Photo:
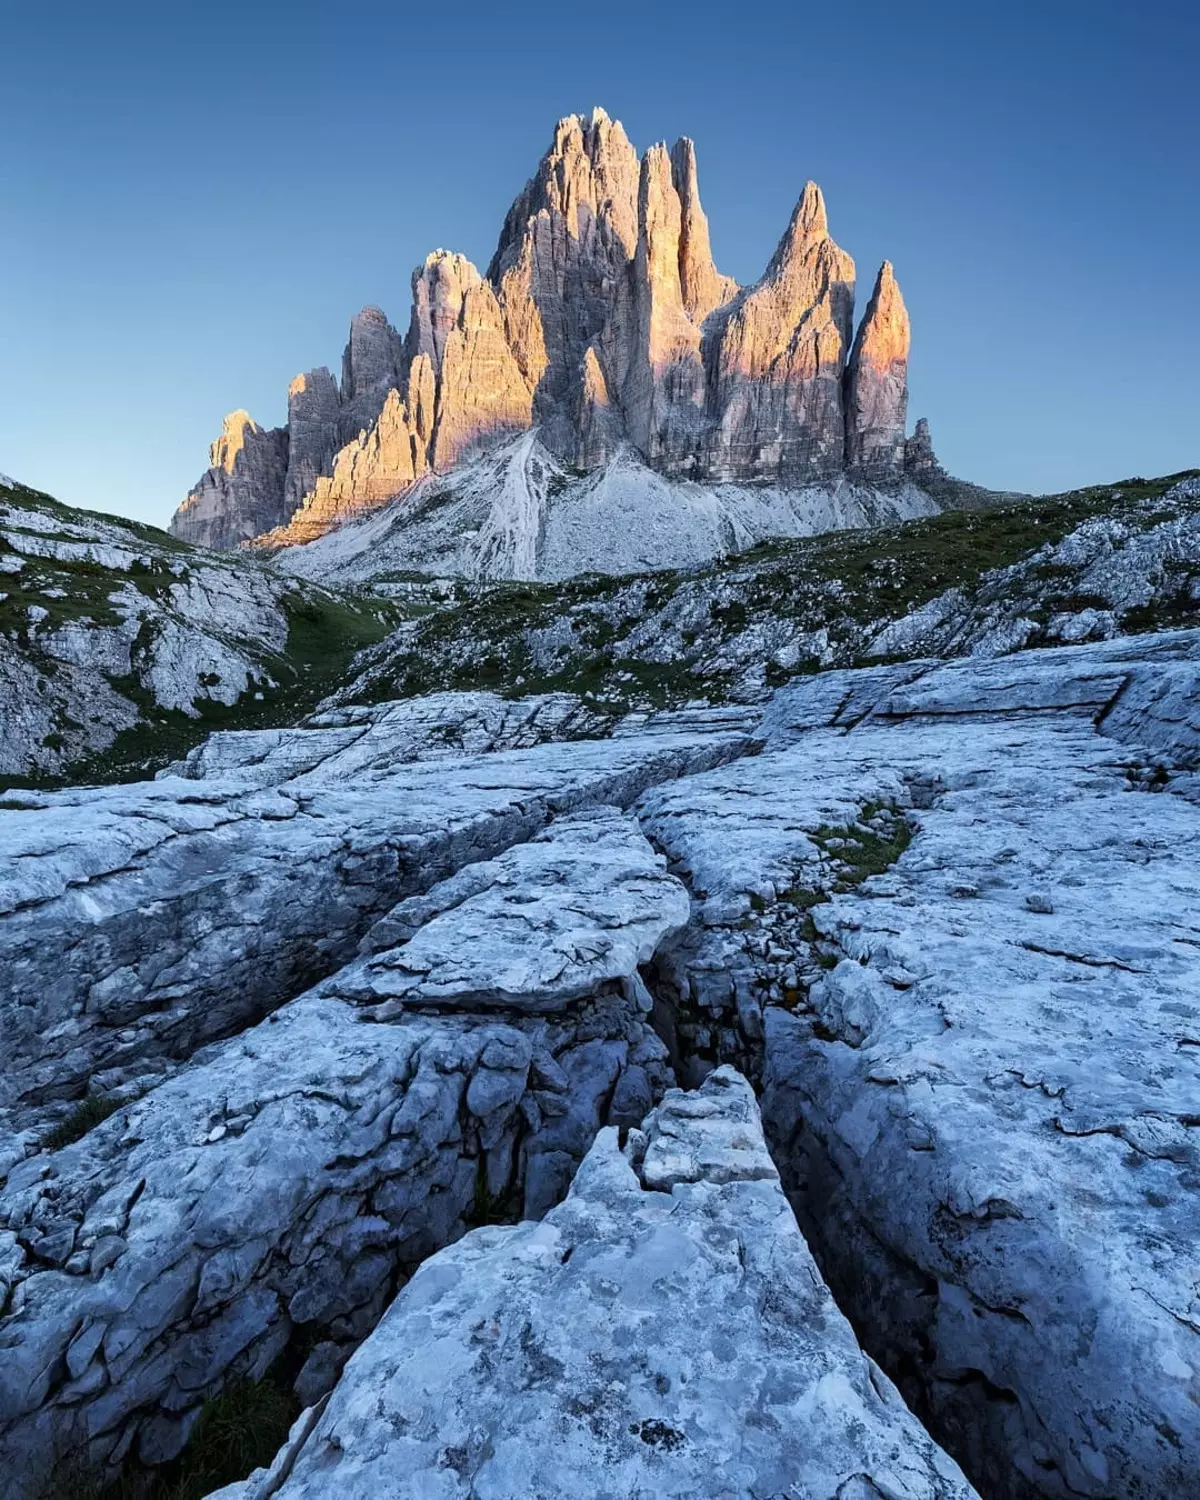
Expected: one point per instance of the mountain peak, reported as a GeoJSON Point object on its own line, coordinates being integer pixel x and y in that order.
{"type": "Point", "coordinates": [603, 320]}
{"type": "Point", "coordinates": [877, 381]}
{"type": "Point", "coordinates": [234, 430]}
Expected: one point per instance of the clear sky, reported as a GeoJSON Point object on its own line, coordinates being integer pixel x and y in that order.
{"type": "Point", "coordinates": [196, 196]}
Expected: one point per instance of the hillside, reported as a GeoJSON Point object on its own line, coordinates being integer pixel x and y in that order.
{"type": "Point", "coordinates": [1084, 565]}
{"type": "Point", "coordinates": [121, 645]}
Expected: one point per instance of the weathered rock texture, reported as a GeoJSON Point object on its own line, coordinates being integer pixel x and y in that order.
{"type": "Point", "coordinates": [602, 320]}
{"type": "Point", "coordinates": [288, 1177]}
{"type": "Point", "coordinates": [978, 1065]}
{"type": "Point", "coordinates": [139, 922]}
{"type": "Point", "coordinates": [877, 385]}
{"type": "Point", "coordinates": [363, 984]}
{"type": "Point", "coordinates": [662, 1332]}
{"type": "Point", "coordinates": [109, 626]}
{"type": "Point", "coordinates": [241, 495]}
{"type": "Point", "coordinates": [258, 477]}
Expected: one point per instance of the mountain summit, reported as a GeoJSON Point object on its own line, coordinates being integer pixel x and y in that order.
{"type": "Point", "coordinates": [603, 322]}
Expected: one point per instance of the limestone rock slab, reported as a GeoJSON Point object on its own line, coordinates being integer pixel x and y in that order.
{"type": "Point", "coordinates": [666, 1336]}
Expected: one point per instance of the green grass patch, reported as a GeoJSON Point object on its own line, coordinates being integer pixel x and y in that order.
{"type": "Point", "coordinates": [86, 1115]}
{"type": "Point", "coordinates": [325, 632]}
{"type": "Point", "coordinates": [861, 852]}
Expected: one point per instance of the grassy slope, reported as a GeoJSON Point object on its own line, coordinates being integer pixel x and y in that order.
{"type": "Point", "coordinates": [837, 582]}
{"type": "Point", "coordinates": [325, 630]}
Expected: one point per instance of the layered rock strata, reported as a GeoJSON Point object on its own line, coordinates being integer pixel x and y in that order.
{"type": "Point", "coordinates": [518, 513]}
{"type": "Point", "coordinates": [664, 1331]}
{"type": "Point", "coordinates": [602, 320]}
{"type": "Point", "coordinates": [139, 922]}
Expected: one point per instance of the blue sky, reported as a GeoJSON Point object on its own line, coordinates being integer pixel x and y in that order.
{"type": "Point", "coordinates": [196, 198]}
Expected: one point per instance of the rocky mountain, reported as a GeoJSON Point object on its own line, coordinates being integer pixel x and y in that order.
{"type": "Point", "coordinates": [603, 323]}
{"type": "Point", "coordinates": [117, 640]}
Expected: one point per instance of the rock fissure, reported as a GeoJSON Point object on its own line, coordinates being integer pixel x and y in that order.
{"type": "Point", "coordinates": [839, 911]}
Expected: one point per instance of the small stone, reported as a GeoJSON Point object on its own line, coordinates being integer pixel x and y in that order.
{"type": "Point", "coordinates": [107, 1252]}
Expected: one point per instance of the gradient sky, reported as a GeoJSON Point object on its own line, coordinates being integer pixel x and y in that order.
{"type": "Point", "coordinates": [197, 196]}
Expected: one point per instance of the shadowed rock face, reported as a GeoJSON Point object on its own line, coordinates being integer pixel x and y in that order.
{"type": "Point", "coordinates": [602, 320]}
{"type": "Point", "coordinates": [241, 495]}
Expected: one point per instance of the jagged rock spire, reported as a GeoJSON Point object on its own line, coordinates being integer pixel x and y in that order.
{"type": "Point", "coordinates": [241, 495]}
{"type": "Point", "coordinates": [602, 320]}
{"type": "Point", "coordinates": [663, 394]}
{"type": "Point", "coordinates": [780, 358]}
{"type": "Point", "coordinates": [563, 254]}
{"type": "Point", "coordinates": [704, 288]}
{"type": "Point", "coordinates": [314, 432]}
{"type": "Point", "coordinates": [919, 458]}
{"type": "Point", "coordinates": [374, 356]}
{"type": "Point", "coordinates": [877, 382]}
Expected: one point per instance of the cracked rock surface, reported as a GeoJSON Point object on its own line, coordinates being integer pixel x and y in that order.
{"type": "Point", "coordinates": [139, 922]}
{"type": "Point", "coordinates": [980, 1065]}
{"type": "Point", "coordinates": [371, 984]}
{"type": "Point", "coordinates": [289, 1177]}
{"type": "Point", "coordinates": [663, 1331]}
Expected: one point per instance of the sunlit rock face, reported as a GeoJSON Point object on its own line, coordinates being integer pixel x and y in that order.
{"type": "Point", "coordinates": [877, 383]}
{"type": "Point", "coordinates": [603, 321]}
{"type": "Point", "coordinates": [241, 494]}
{"type": "Point", "coordinates": [779, 359]}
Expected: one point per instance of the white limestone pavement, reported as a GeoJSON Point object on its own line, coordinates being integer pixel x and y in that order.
{"type": "Point", "coordinates": [290, 1175]}
{"type": "Point", "coordinates": [663, 1332]}
{"type": "Point", "coordinates": [139, 922]}
{"type": "Point", "coordinates": [984, 1094]}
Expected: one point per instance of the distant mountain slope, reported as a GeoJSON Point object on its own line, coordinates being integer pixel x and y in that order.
{"type": "Point", "coordinates": [518, 513]}
{"type": "Point", "coordinates": [121, 648]}
{"type": "Point", "coordinates": [1080, 566]}
{"type": "Point", "coordinates": [119, 643]}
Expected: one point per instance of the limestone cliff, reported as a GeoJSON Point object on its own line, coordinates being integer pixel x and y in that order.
{"type": "Point", "coordinates": [779, 361]}
{"type": "Point", "coordinates": [877, 382]}
{"type": "Point", "coordinates": [603, 321]}
{"type": "Point", "coordinates": [241, 494]}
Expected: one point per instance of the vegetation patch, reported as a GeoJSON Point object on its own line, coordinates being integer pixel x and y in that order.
{"type": "Point", "coordinates": [237, 1432]}
{"type": "Point", "coordinates": [325, 632]}
{"type": "Point", "coordinates": [868, 847]}
{"type": "Point", "coordinates": [86, 1115]}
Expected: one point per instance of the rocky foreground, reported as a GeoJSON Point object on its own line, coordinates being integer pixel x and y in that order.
{"type": "Point", "coordinates": [298, 1031]}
